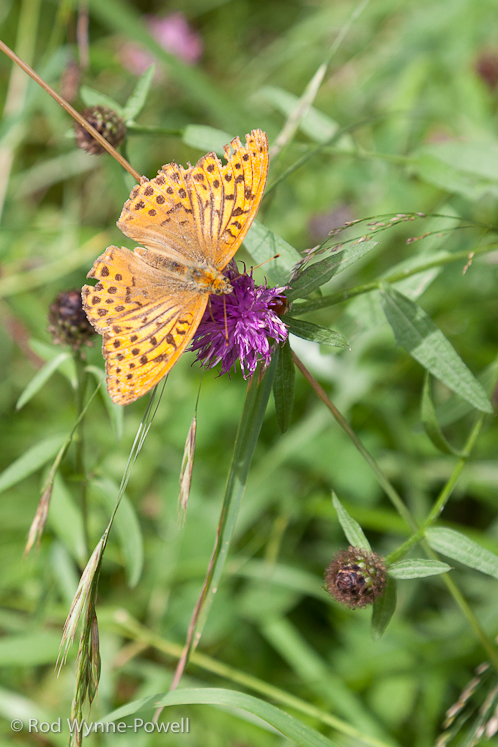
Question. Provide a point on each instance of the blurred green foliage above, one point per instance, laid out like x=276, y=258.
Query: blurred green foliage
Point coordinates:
x=416, y=83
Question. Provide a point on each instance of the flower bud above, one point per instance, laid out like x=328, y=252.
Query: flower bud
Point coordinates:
x=107, y=122
x=356, y=577
x=68, y=323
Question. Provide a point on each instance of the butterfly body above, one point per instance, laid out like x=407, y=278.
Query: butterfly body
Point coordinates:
x=148, y=303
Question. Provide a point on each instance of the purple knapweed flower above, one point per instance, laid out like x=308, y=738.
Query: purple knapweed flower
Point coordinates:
x=251, y=322
x=173, y=33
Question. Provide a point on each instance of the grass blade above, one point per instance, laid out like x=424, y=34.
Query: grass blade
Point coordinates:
x=40, y=378
x=288, y=725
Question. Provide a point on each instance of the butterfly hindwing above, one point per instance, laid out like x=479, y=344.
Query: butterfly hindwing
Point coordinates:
x=145, y=320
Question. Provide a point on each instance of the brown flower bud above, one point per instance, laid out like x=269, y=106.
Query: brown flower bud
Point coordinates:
x=68, y=323
x=356, y=577
x=104, y=120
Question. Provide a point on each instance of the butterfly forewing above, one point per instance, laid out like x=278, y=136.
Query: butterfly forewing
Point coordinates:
x=201, y=213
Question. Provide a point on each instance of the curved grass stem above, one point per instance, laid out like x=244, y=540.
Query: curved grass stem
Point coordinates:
x=137, y=632
x=81, y=385
x=395, y=277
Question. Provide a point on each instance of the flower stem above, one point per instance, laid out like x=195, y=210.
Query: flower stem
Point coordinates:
x=443, y=497
x=404, y=511
x=140, y=129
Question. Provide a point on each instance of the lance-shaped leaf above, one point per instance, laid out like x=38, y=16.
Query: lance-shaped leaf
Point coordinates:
x=418, y=335
x=417, y=568
x=206, y=138
x=459, y=547
x=353, y=531
x=137, y=100
x=30, y=461
x=321, y=272
x=383, y=609
x=262, y=244
x=283, y=386
x=315, y=333
x=40, y=378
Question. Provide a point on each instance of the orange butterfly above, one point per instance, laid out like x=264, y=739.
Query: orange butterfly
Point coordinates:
x=148, y=303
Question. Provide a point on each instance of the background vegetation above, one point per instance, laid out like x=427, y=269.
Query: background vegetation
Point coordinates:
x=416, y=85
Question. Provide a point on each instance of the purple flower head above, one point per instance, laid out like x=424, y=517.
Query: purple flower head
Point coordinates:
x=251, y=322
x=174, y=33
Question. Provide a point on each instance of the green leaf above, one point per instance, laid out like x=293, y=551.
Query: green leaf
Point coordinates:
x=31, y=461
x=137, y=100
x=466, y=168
x=40, y=378
x=48, y=352
x=383, y=609
x=127, y=526
x=295, y=730
x=353, y=531
x=430, y=423
x=115, y=412
x=419, y=336
x=315, y=124
x=206, y=138
x=321, y=272
x=417, y=568
x=95, y=98
x=315, y=333
x=66, y=521
x=283, y=386
x=459, y=547
x=262, y=244
x=29, y=650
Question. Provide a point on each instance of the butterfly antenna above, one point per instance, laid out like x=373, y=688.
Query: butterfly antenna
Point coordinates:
x=266, y=260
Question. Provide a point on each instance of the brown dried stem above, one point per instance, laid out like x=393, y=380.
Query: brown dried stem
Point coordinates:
x=76, y=115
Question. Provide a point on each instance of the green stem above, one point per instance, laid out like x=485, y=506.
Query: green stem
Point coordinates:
x=138, y=129
x=443, y=497
x=82, y=378
x=395, y=277
x=133, y=629
x=457, y=595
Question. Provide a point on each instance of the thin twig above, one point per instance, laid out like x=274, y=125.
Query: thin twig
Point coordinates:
x=76, y=115
x=382, y=479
